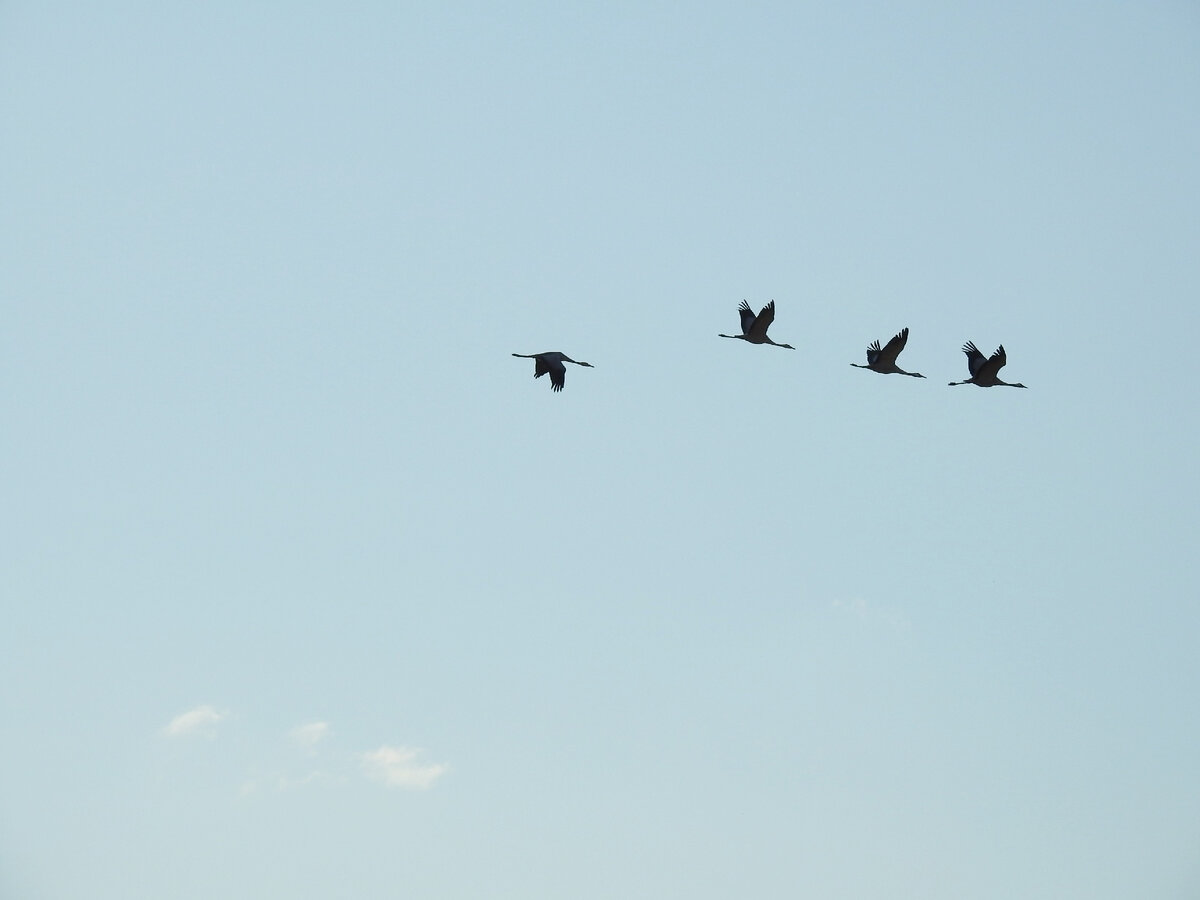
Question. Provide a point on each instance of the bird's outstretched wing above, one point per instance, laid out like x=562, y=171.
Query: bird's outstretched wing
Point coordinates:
x=873, y=352
x=558, y=374
x=747, y=315
x=975, y=359
x=540, y=367
x=762, y=321
x=991, y=368
x=893, y=348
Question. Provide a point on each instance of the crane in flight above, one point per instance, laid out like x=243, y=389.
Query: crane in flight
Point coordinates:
x=984, y=370
x=884, y=360
x=754, y=328
x=552, y=362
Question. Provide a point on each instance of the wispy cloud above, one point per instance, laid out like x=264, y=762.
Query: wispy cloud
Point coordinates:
x=872, y=614
x=393, y=766
x=397, y=767
x=201, y=721
x=310, y=734
x=278, y=782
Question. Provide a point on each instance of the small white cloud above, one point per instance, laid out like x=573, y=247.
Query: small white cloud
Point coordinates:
x=397, y=767
x=199, y=721
x=308, y=736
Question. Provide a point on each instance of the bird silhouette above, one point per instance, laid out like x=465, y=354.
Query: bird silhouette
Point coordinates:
x=884, y=361
x=552, y=362
x=754, y=328
x=984, y=370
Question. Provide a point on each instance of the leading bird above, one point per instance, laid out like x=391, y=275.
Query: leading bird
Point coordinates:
x=552, y=362
x=984, y=371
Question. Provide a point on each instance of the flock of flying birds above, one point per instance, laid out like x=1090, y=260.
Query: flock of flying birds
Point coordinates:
x=984, y=369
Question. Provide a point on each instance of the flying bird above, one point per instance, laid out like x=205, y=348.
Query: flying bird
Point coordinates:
x=984, y=371
x=754, y=328
x=552, y=362
x=884, y=360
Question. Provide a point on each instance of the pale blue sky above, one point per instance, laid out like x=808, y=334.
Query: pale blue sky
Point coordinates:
x=311, y=590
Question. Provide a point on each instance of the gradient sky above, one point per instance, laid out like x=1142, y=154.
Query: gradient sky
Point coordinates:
x=310, y=590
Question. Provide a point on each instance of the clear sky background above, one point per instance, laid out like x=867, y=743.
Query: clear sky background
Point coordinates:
x=310, y=590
